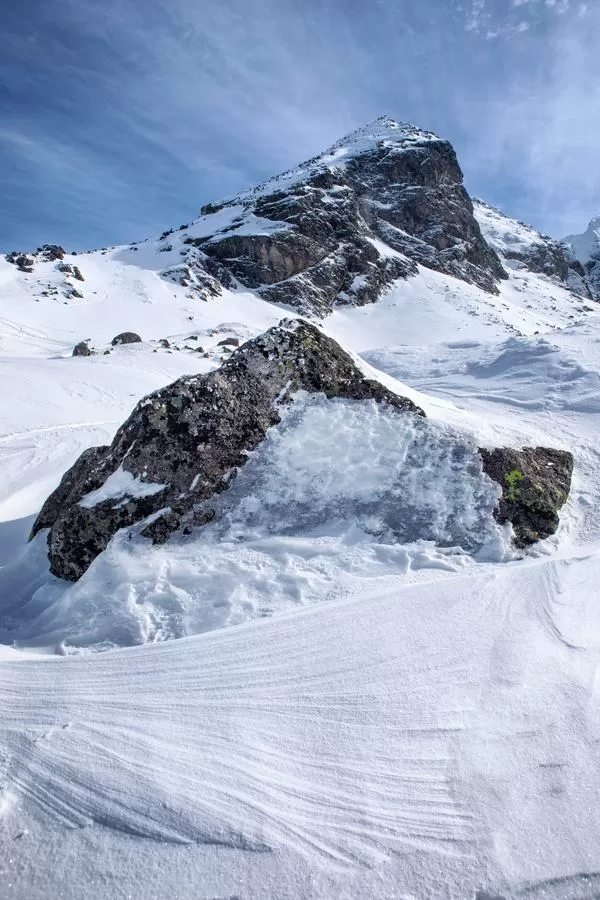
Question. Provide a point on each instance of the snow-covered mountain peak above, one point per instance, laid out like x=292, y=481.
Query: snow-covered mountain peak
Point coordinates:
x=381, y=132
x=585, y=251
x=521, y=246
x=586, y=245
x=340, y=227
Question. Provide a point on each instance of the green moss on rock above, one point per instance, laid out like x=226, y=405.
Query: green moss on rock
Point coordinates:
x=535, y=484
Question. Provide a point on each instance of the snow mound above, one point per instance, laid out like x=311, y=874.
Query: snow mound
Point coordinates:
x=329, y=490
x=527, y=372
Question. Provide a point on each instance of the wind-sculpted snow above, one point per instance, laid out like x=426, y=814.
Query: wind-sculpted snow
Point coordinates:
x=525, y=372
x=335, y=476
x=266, y=742
x=364, y=748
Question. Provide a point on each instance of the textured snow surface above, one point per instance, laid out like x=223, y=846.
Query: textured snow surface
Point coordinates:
x=426, y=742
x=388, y=718
x=503, y=233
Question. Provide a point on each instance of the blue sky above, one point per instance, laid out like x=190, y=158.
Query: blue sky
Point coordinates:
x=122, y=117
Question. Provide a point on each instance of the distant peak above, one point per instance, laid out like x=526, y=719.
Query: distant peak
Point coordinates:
x=586, y=245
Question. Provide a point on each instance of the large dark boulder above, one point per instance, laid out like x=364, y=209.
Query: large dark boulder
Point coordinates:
x=183, y=443
x=126, y=337
x=535, y=483
x=82, y=349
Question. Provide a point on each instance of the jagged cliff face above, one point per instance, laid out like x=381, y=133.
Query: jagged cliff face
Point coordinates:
x=341, y=227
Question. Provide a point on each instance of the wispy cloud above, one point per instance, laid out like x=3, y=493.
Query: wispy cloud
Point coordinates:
x=502, y=18
x=542, y=137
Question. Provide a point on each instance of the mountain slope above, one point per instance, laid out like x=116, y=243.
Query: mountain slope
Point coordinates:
x=586, y=245
x=312, y=238
x=388, y=717
x=522, y=247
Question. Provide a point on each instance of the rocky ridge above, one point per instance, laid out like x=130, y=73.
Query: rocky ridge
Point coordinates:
x=583, y=251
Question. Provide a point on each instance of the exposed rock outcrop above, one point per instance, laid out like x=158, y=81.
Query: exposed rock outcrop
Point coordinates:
x=535, y=484
x=182, y=444
x=82, y=349
x=68, y=269
x=51, y=252
x=126, y=337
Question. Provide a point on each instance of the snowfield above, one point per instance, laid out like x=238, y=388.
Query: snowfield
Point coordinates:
x=389, y=718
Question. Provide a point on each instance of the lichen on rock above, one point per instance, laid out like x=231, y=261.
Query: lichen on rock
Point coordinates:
x=535, y=484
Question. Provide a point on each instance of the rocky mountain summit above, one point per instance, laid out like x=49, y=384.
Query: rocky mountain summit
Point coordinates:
x=338, y=230
x=342, y=226
x=184, y=444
